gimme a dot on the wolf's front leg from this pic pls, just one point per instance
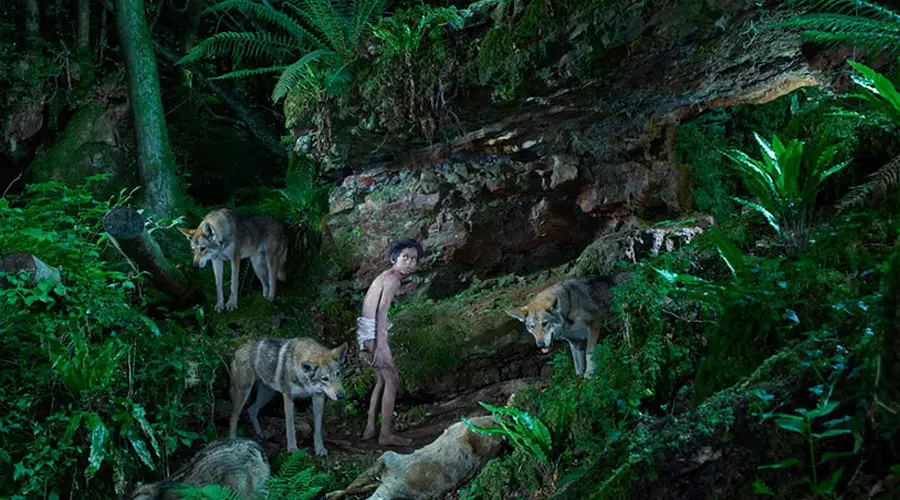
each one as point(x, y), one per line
point(578, 355)
point(318, 410)
point(219, 271)
point(289, 423)
point(235, 276)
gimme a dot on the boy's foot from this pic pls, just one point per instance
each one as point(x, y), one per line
point(393, 440)
point(369, 433)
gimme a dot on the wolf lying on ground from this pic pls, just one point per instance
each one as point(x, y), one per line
point(224, 235)
point(569, 311)
point(297, 368)
point(239, 464)
point(429, 472)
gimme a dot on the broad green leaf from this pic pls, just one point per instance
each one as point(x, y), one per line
point(790, 462)
point(831, 433)
point(140, 415)
point(821, 411)
point(72, 427)
point(99, 433)
point(791, 425)
point(140, 448)
point(154, 328)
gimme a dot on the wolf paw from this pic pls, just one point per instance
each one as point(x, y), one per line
point(220, 307)
point(231, 305)
point(321, 452)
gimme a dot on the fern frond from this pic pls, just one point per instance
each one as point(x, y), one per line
point(878, 184)
point(295, 72)
point(876, 43)
point(868, 24)
point(317, 17)
point(269, 14)
point(244, 44)
point(859, 8)
point(243, 73)
point(366, 13)
point(296, 480)
point(333, 25)
point(208, 492)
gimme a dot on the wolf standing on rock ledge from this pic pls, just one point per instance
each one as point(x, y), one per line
point(372, 335)
point(225, 235)
point(569, 311)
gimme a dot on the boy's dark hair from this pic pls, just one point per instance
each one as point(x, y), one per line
point(400, 245)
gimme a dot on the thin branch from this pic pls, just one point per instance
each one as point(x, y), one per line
point(10, 185)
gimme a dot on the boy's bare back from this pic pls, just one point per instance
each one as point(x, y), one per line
point(382, 290)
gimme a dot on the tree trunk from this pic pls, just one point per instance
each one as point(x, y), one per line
point(83, 37)
point(23, 262)
point(162, 191)
point(85, 73)
point(125, 227)
point(32, 21)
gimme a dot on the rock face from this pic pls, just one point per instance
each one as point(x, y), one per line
point(532, 190)
point(95, 141)
point(482, 218)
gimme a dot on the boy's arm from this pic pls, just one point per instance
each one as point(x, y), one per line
point(384, 303)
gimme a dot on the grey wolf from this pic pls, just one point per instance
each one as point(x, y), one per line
point(429, 472)
point(372, 336)
point(238, 464)
point(224, 235)
point(297, 368)
point(569, 311)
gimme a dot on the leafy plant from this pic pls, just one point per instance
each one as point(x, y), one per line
point(296, 480)
point(882, 96)
point(785, 183)
point(716, 294)
point(90, 394)
point(804, 421)
point(525, 432)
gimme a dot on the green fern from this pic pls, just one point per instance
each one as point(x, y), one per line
point(296, 480)
point(878, 184)
point(867, 24)
point(208, 492)
point(326, 33)
point(266, 13)
point(240, 45)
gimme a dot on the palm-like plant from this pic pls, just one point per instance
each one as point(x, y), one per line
point(311, 43)
point(786, 182)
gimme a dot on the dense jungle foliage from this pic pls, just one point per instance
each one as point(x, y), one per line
point(775, 332)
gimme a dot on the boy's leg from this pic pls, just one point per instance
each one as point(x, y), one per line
point(375, 399)
point(391, 384)
point(374, 404)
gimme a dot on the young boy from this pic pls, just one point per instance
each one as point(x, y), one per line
point(372, 335)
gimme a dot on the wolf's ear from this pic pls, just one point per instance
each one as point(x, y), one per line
point(207, 229)
point(339, 353)
point(307, 367)
point(187, 232)
point(556, 305)
point(518, 313)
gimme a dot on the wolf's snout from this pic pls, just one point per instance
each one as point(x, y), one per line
point(340, 394)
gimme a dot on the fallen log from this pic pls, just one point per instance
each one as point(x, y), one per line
point(125, 227)
point(23, 262)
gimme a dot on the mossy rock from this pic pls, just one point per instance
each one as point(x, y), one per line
point(88, 146)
